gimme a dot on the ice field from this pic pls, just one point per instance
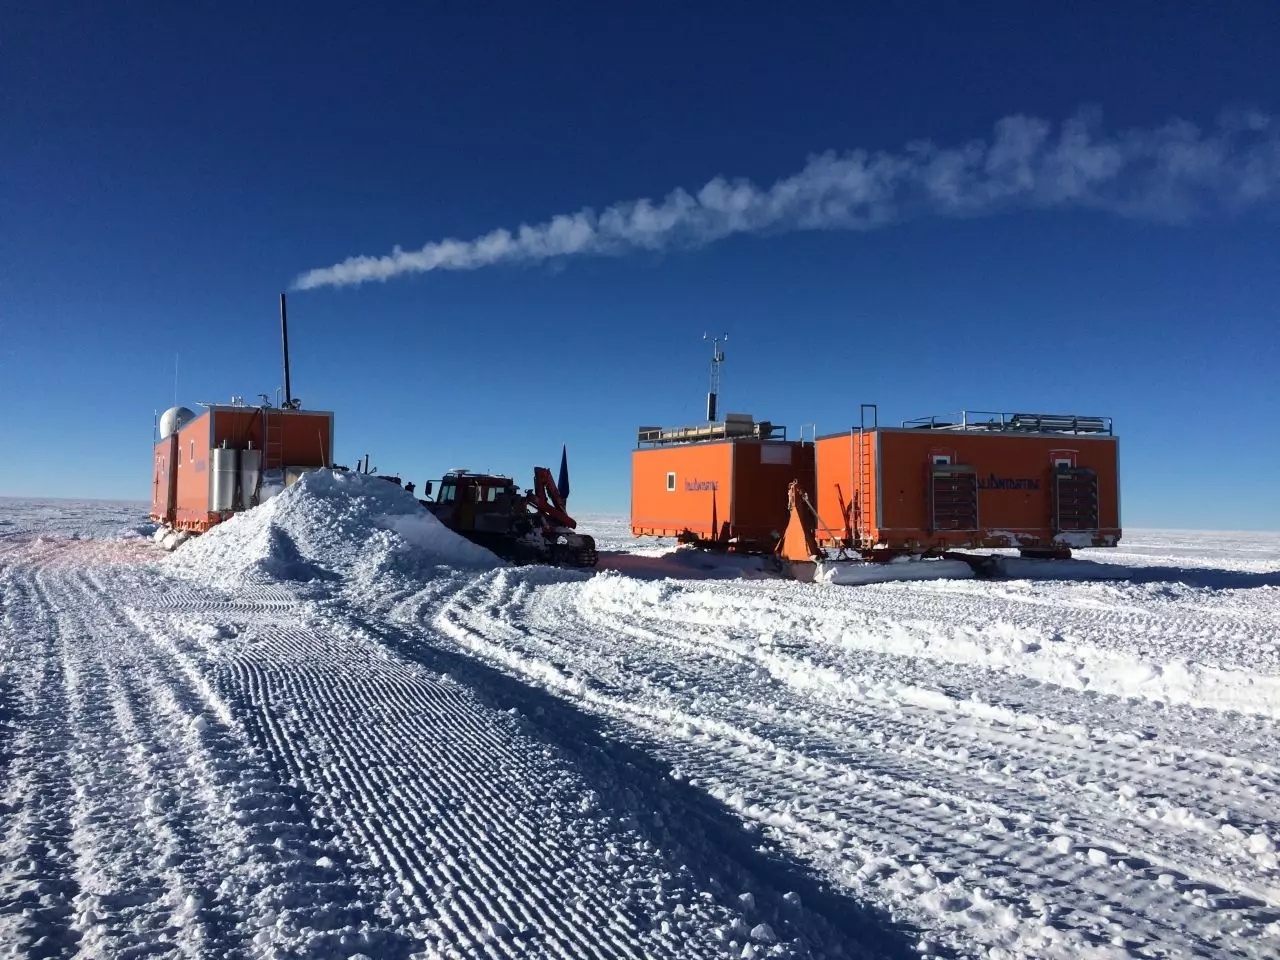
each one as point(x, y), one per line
point(331, 728)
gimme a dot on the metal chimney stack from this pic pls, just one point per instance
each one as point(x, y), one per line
point(284, 336)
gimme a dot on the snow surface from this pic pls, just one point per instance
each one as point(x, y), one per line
point(331, 728)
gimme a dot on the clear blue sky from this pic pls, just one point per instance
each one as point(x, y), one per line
point(168, 169)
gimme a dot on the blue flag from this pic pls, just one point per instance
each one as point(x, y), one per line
point(562, 484)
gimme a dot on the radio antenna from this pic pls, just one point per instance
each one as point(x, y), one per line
point(717, 360)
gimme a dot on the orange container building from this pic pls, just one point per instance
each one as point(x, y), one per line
point(230, 457)
point(717, 484)
point(1038, 482)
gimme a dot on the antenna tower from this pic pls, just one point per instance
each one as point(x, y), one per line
point(717, 360)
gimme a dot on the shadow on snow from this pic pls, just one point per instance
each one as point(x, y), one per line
point(708, 838)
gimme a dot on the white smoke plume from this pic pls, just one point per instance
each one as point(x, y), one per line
point(1168, 173)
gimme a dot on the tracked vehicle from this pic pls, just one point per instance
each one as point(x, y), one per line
point(529, 527)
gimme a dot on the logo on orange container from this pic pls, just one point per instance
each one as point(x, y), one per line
point(694, 485)
point(1008, 483)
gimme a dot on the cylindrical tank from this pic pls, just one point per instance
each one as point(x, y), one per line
point(224, 469)
point(250, 472)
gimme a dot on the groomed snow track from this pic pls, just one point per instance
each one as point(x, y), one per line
point(982, 805)
point(273, 773)
point(397, 758)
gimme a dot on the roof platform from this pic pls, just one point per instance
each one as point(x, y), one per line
point(986, 421)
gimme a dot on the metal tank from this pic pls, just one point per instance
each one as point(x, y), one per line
point(250, 473)
point(224, 470)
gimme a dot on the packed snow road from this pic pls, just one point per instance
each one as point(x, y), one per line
point(329, 728)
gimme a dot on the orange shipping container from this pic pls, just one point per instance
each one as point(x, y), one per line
point(188, 491)
point(1012, 480)
point(730, 491)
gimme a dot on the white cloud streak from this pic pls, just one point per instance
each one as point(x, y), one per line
point(1168, 174)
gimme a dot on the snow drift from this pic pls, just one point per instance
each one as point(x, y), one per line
point(329, 525)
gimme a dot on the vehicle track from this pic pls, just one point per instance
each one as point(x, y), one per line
point(37, 831)
point(1068, 757)
point(139, 821)
point(480, 838)
point(926, 786)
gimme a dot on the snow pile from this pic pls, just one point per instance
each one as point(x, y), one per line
point(329, 525)
point(901, 568)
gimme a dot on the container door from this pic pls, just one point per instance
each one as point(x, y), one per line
point(1075, 499)
point(953, 497)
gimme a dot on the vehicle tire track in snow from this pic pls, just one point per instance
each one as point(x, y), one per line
point(972, 741)
point(174, 837)
point(37, 888)
point(486, 841)
point(962, 735)
point(830, 658)
point(1114, 890)
point(1158, 666)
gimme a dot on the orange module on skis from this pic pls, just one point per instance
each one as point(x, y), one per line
point(1040, 482)
point(230, 457)
point(721, 484)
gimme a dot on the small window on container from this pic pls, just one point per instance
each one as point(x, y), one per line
point(1061, 462)
point(193, 451)
point(942, 459)
point(671, 482)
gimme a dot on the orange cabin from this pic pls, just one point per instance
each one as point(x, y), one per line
point(716, 484)
point(989, 480)
point(226, 458)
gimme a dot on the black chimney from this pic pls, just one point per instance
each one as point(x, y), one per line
point(284, 336)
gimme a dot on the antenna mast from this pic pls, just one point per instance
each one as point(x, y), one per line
point(717, 359)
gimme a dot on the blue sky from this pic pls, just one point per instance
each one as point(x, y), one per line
point(168, 171)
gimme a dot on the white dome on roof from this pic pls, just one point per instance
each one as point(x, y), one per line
point(173, 420)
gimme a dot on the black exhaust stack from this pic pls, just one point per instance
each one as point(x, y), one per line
point(284, 336)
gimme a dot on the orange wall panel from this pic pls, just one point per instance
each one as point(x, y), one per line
point(306, 436)
point(835, 480)
point(164, 475)
point(703, 475)
point(192, 506)
point(745, 480)
point(760, 483)
point(1015, 475)
point(1015, 482)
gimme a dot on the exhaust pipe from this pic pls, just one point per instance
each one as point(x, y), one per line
point(284, 336)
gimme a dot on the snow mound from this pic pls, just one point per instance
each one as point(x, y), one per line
point(329, 525)
point(903, 568)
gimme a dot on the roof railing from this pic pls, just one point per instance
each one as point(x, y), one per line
point(735, 426)
point(987, 421)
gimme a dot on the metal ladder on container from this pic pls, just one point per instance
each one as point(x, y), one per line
point(863, 503)
point(273, 442)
